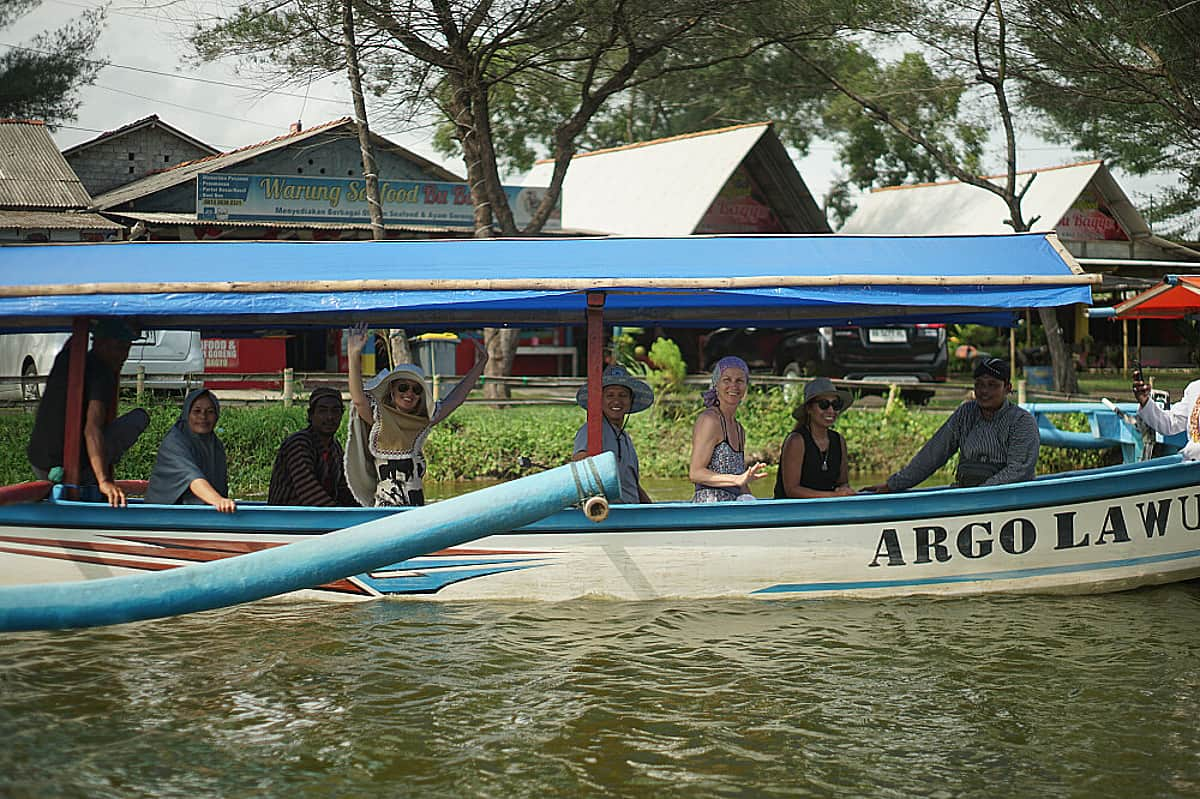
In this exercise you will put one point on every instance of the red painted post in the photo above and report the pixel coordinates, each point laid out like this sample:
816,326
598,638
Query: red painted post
73,424
595,366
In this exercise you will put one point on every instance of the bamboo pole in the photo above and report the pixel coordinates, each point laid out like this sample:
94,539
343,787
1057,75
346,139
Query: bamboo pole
538,284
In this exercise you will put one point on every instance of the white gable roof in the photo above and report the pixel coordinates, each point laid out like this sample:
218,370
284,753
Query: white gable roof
659,188
953,208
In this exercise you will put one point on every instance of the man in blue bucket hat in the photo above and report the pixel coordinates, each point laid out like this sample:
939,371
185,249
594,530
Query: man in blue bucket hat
621,394
106,437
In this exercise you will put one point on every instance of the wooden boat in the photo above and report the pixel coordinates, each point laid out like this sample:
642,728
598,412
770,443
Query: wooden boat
1100,530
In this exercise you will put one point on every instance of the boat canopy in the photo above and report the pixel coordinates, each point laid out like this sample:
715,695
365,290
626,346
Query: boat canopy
1176,297
797,281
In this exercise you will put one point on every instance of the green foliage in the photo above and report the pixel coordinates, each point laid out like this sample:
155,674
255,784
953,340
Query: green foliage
42,81
1118,80
482,442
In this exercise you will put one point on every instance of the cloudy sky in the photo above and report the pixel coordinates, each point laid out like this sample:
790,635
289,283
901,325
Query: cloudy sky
149,73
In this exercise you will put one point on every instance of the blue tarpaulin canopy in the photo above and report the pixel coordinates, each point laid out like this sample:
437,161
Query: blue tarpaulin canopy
709,280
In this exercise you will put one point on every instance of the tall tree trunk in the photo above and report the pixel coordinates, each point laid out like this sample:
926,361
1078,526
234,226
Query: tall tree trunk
398,349
501,343
1066,379
370,171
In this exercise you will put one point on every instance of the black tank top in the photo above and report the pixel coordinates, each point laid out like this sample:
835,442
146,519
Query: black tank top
820,470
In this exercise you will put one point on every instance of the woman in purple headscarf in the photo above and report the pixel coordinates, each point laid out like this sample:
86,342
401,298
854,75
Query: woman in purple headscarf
718,467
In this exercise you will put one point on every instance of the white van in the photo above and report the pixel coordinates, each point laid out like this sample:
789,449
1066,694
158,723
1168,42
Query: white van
173,359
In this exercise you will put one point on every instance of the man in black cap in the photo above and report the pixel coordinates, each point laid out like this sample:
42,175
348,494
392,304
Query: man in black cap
997,442
308,469
106,437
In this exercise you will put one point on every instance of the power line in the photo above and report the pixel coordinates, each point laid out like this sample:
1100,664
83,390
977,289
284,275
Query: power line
208,81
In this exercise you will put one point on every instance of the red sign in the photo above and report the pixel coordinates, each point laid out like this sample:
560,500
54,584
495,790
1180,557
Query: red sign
242,356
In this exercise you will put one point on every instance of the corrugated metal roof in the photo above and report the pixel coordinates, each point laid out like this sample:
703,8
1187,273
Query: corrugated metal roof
33,173
181,173
664,187
167,218
138,124
55,220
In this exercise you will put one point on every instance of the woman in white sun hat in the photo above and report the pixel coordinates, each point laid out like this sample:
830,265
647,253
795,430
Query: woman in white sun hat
385,462
621,395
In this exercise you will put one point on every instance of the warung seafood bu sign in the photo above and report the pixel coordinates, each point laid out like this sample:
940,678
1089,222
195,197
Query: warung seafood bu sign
282,198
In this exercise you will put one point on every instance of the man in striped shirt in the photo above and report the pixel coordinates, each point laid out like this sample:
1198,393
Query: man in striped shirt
308,469
997,442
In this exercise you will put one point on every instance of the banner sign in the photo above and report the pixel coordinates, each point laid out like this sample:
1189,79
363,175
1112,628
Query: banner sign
229,197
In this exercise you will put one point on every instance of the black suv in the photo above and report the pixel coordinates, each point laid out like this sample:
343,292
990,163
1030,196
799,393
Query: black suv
887,353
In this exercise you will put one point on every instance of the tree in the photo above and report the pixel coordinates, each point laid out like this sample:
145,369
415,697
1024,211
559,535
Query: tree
458,57
1121,80
41,80
971,46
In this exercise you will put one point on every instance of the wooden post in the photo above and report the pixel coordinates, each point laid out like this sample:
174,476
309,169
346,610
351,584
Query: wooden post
1012,348
1138,328
141,382
1021,391
73,424
1125,347
289,388
595,366
437,384
892,398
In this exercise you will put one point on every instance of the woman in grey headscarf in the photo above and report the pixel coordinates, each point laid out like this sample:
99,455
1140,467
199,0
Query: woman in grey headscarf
190,468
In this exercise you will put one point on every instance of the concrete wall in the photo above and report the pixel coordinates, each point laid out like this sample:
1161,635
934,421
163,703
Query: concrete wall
125,158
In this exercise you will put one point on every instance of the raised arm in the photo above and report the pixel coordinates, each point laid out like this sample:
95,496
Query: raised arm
356,339
464,386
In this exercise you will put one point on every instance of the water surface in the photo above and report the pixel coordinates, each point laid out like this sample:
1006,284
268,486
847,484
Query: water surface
1009,696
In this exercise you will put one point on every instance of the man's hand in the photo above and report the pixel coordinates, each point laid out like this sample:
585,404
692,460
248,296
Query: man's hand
113,493
1141,391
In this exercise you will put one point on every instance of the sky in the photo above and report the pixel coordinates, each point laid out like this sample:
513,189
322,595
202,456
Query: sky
149,73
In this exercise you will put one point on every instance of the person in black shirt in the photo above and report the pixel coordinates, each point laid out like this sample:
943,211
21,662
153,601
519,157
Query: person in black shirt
813,460
105,437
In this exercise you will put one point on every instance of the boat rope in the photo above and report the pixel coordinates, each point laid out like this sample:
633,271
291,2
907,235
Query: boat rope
599,489
578,485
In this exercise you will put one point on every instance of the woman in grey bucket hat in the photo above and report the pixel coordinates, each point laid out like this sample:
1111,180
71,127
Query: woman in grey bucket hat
813,462
621,394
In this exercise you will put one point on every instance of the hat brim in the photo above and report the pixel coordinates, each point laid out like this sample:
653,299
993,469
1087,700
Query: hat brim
643,395
845,396
377,386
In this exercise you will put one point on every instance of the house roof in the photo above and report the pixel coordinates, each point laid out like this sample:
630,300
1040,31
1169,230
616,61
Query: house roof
957,208
664,187
55,220
33,173
144,122
173,218
187,171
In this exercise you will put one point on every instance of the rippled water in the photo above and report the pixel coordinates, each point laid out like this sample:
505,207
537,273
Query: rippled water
1009,696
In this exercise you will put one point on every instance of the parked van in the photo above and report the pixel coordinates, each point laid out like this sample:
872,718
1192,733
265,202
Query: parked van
173,359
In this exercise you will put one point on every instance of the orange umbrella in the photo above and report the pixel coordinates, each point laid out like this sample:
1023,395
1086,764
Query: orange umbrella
1177,296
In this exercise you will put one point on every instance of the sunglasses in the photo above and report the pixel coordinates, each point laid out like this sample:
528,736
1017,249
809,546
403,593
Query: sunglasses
407,388
825,404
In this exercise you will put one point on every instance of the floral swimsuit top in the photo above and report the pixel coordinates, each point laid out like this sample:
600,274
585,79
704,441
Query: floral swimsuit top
725,460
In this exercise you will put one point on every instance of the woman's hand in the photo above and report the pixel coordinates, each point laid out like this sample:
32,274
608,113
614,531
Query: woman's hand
356,340
844,491
756,471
